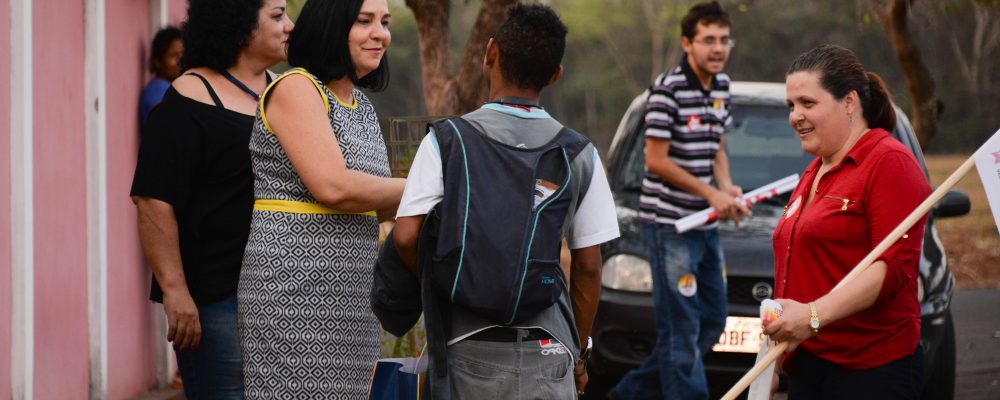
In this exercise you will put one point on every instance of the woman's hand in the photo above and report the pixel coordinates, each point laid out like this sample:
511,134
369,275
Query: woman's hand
792,326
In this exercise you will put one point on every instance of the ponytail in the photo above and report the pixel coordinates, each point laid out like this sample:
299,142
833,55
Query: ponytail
879,111
840,73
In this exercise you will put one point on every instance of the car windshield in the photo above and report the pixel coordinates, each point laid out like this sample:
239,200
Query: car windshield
762,147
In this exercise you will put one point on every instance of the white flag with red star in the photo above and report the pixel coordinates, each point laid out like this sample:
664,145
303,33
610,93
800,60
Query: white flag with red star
988,165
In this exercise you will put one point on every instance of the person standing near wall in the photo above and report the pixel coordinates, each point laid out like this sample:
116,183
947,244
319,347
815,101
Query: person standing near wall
193,185
322,185
165,65
687,170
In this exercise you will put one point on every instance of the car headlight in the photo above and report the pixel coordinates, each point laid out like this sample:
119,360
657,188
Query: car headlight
627,272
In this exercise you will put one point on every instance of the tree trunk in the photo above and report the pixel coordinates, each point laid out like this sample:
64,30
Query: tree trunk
447,93
926,105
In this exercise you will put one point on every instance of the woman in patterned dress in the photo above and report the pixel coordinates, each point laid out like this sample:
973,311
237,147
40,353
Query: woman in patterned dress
321,180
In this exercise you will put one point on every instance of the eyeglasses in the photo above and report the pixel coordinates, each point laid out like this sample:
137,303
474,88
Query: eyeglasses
711,42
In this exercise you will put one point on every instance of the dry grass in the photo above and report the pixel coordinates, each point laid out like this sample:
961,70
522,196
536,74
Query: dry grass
972,241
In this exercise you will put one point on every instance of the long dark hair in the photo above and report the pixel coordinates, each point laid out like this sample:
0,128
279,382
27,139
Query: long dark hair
840,73
319,44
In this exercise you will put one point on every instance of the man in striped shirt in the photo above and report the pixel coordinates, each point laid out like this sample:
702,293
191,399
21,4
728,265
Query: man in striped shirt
687,170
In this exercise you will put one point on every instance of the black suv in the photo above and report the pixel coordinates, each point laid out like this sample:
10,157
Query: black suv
762,148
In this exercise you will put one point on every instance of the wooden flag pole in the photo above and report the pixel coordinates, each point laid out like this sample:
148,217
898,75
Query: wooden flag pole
891,238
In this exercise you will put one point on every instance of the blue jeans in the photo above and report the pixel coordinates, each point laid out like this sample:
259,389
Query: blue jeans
689,294
215,369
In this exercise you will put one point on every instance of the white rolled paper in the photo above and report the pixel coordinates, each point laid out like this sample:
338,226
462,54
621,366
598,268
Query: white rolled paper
773,189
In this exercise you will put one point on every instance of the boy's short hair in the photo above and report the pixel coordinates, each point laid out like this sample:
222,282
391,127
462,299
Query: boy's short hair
707,13
531,43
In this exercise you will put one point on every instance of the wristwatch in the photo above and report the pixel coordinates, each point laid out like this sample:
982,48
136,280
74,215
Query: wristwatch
813,319
585,353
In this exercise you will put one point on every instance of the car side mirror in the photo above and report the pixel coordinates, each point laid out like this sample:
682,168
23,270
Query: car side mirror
954,203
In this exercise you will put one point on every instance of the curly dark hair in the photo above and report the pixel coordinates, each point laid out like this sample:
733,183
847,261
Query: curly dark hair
217,30
707,13
325,25
161,43
531,43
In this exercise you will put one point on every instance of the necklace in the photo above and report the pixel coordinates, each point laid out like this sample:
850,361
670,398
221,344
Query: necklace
519,102
243,86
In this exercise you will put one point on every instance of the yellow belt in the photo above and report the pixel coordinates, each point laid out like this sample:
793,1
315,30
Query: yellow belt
300,207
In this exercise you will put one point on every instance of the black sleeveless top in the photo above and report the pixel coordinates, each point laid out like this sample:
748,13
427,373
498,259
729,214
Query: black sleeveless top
196,157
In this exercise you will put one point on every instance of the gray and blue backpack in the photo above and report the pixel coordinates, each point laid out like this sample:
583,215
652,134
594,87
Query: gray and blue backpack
499,228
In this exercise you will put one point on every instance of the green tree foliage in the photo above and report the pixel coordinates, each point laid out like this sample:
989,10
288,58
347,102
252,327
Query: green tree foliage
613,55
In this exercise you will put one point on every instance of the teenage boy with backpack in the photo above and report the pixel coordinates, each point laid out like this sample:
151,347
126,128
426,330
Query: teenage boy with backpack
491,195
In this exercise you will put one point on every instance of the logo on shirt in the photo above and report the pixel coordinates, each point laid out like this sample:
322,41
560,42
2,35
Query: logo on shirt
687,285
718,104
793,207
996,157
694,122
551,346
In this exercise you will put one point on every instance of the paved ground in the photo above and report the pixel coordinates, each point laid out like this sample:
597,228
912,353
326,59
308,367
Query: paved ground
977,329
162,394
976,313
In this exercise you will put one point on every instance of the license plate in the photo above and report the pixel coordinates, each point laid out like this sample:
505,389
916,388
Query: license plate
742,335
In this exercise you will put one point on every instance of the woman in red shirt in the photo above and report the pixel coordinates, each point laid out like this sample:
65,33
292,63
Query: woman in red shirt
862,340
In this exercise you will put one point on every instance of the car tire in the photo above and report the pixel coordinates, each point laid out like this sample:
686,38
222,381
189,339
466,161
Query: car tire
940,382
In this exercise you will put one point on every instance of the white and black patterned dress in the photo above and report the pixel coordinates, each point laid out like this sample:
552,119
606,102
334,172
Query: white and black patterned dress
306,326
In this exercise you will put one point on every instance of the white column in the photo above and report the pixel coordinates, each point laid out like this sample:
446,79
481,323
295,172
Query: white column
158,15
22,203
166,366
95,110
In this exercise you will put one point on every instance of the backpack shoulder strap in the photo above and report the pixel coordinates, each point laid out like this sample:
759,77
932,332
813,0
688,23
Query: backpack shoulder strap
574,142
446,132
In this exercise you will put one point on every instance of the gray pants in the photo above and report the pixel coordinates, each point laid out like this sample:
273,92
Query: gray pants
533,369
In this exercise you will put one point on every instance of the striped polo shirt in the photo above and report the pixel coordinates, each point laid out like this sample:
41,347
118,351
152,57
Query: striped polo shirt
693,120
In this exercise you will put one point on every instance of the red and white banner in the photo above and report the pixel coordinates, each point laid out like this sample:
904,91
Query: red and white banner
988,165
773,189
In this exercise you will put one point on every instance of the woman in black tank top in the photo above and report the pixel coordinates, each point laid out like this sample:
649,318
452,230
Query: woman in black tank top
194,187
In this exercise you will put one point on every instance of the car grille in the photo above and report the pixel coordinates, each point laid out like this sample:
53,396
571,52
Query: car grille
741,290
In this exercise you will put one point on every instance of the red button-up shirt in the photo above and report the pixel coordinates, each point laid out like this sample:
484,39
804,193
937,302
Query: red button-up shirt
856,204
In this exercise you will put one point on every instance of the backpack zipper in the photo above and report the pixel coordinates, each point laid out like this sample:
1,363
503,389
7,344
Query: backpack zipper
536,213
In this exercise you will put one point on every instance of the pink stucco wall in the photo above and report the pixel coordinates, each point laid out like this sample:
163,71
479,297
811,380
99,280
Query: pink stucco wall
60,202
131,339
5,270
176,12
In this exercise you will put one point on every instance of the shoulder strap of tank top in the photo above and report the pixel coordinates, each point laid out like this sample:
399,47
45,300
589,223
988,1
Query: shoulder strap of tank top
211,92
293,71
